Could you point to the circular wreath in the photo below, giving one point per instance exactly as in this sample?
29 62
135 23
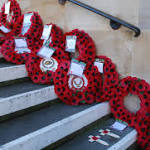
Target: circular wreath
35 30
42 70
110 80
75 90
140 119
11 54
15 12
135 86
84 44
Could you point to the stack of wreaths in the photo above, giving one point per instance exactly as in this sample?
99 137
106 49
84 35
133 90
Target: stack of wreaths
47 62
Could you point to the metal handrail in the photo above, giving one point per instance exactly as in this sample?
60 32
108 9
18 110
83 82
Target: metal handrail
115 22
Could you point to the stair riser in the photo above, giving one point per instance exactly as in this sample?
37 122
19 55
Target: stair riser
12 73
26 100
50 134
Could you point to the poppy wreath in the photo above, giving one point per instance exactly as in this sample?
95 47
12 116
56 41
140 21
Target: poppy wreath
109 77
15 12
11 54
140 119
134 86
35 30
84 44
42 70
75 90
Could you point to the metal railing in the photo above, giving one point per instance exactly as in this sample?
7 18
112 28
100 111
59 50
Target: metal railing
115 22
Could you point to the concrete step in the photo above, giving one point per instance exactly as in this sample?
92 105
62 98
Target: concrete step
41 128
81 141
22 95
9 71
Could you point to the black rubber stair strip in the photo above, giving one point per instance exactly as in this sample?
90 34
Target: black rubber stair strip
21 126
19 88
80 141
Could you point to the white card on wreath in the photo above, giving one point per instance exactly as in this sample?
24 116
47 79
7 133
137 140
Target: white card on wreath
100 66
119 126
46 52
77 68
27 18
46 32
21 43
7 7
71 43
4 29
25 29
21 50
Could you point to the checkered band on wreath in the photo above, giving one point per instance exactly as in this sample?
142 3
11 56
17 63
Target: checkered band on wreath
84 44
13 54
41 70
75 90
29 25
8 20
110 79
139 120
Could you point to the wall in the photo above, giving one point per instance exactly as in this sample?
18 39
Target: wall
130 54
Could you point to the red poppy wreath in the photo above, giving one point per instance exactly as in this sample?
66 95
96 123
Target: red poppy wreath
28 25
41 69
140 119
75 90
15 54
10 12
135 86
106 71
84 44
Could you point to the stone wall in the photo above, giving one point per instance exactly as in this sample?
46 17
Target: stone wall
131 55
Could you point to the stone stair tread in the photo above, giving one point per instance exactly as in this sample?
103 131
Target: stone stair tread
80 141
20 126
10 71
19 88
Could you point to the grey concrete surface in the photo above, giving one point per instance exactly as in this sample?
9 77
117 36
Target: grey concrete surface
19 88
80 142
18 127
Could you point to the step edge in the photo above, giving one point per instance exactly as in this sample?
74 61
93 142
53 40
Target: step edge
125 142
52 131
20 72
12 101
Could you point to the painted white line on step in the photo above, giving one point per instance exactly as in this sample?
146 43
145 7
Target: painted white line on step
22 101
56 131
12 73
125 142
